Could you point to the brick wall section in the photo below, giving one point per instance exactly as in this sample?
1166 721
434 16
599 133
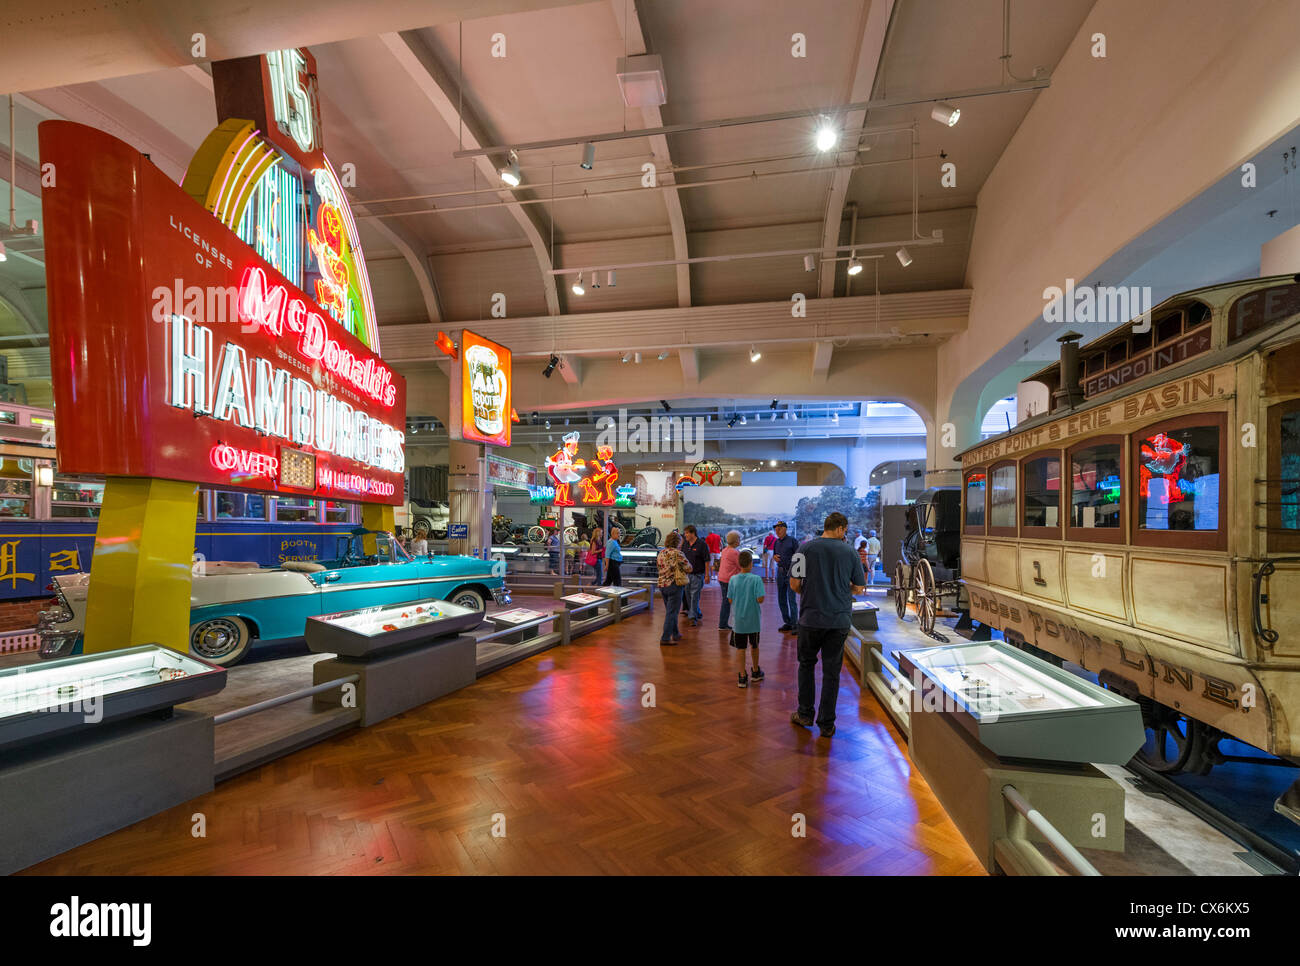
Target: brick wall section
20 615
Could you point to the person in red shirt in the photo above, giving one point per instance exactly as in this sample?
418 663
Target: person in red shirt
715 547
769 543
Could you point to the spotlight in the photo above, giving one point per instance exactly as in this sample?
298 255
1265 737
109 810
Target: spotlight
809 263
663 355
566 420
794 416
534 417
771 462
827 137
577 285
904 258
627 357
855 266
664 403
731 472
732 421
588 156
789 432
548 424
636 357
835 418
754 354
611 278
550 366
510 173
595 282
743 420
945 113
773 404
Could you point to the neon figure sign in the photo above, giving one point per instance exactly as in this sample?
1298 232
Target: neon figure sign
565 468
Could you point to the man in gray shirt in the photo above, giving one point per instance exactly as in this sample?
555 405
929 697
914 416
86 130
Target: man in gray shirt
827 572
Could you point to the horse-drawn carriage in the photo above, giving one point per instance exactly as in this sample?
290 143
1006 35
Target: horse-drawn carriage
929 567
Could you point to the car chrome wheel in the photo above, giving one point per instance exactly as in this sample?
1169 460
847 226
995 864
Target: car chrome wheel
222 640
469 598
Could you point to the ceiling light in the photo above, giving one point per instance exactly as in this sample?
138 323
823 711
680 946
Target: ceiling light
809 263
827 136
550 366
510 173
611 278
773 404
627 357
636 357
548 424
664 403
855 266
904 258
588 156
663 355
789 432
732 421
566 420
743 420
771 462
577 285
835 418
731 472
794 415
754 354
534 417
945 113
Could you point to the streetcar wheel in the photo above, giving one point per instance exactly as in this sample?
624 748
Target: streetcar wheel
900 590
927 595
1175 743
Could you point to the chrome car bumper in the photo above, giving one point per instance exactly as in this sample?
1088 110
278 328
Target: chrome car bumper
57 639
500 595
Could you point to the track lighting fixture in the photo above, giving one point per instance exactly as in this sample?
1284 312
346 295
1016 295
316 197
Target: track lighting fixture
611 278
794 415
732 421
588 156
577 285
550 366
754 354
835 418
809 263
548 424
855 266
664 403
827 136
945 114
663 355
510 174
773 404
627 357
743 420
904 258
636 357
534 417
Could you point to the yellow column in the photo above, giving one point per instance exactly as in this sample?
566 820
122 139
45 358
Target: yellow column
140 572
376 516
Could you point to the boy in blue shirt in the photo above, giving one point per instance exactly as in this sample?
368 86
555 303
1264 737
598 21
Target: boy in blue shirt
745 591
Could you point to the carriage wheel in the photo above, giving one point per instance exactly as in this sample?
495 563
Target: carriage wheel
926 595
900 590
1175 743
536 535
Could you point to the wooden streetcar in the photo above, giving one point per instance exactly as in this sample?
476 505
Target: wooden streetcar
1147 528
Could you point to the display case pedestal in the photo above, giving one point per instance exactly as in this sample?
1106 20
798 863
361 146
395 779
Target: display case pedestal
64 792
864 616
1079 800
397 682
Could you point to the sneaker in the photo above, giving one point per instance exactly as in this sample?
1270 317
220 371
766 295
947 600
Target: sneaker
757 674
827 730
743 679
803 721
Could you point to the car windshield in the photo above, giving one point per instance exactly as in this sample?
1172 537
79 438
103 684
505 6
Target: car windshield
386 549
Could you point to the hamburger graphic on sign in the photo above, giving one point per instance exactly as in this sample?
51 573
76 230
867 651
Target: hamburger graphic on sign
484 404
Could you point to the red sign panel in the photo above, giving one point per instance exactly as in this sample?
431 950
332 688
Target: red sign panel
178 353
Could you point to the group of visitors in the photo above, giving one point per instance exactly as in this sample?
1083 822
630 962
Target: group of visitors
416 543
815 582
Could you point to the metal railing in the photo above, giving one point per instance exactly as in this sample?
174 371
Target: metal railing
1027 816
275 702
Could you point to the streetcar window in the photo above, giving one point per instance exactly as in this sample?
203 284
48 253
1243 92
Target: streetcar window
1116 354
1141 341
1287 514
975 501
1170 327
1178 479
1002 496
1042 486
1095 490
1198 313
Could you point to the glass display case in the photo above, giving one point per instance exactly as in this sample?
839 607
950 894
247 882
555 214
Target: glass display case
1018 706
55 697
369 630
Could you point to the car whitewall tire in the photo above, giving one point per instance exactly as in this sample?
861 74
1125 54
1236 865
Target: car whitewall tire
468 597
221 640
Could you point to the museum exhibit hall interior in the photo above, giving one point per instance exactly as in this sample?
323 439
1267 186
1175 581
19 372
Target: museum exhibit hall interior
621 438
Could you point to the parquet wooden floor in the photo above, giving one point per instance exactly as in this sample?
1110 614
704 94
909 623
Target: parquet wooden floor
560 749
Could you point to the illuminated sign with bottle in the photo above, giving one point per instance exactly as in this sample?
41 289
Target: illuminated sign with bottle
480 392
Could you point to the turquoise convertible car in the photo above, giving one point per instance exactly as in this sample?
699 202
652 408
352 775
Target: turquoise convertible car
235 607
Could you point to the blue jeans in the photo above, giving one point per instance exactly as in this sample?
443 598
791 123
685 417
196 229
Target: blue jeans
787 599
672 604
724 615
828 643
693 590
599 569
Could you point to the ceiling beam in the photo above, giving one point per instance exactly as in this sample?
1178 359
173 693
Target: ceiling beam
870 49
571 369
690 359
419 62
411 249
629 24
821 360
